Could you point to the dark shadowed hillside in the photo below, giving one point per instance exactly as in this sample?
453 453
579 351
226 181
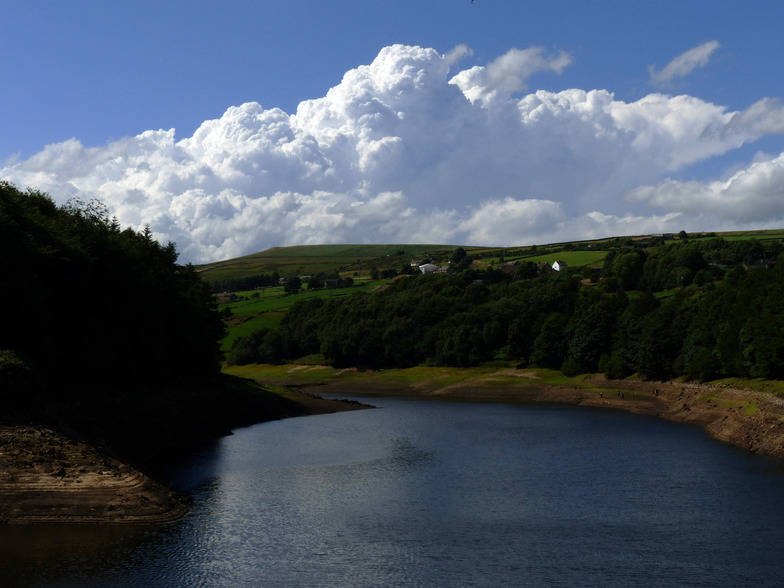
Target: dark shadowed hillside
85 301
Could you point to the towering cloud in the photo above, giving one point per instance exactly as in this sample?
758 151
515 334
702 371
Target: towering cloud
407 149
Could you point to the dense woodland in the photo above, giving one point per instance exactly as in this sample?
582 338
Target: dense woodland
85 302
703 309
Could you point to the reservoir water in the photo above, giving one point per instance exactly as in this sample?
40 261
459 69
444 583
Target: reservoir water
428 493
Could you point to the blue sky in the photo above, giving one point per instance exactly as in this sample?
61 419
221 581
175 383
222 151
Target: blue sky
551 121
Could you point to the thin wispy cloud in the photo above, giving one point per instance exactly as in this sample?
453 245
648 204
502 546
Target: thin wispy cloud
684 64
410 149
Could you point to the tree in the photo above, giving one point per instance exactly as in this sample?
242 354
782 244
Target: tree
628 268
91 301
16 376
458 255
526 270
293 285
659 344
549 347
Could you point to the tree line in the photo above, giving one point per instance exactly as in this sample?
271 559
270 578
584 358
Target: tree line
85 302
245 283
702 309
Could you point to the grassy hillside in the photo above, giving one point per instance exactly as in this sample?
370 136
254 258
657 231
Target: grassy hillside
348 259
359 260
265 307
313 259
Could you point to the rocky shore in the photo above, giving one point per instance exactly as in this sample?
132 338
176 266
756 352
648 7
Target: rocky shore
748 419
46 477
83 460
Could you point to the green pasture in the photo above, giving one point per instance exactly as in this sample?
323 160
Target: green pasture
267 307
270 299
572 258
270 320
759 235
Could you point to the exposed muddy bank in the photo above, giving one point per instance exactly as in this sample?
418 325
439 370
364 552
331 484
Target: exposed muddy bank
86 457
746 418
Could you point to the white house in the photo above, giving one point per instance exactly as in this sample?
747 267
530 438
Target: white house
559 265
428 268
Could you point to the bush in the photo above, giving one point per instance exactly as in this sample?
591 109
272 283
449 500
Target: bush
16 375
615 366
571 367
703 365
262 346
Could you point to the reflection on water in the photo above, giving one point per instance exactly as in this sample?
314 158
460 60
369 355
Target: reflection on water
431 493
34 553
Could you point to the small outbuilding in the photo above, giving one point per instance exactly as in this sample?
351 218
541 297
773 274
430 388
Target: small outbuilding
428 268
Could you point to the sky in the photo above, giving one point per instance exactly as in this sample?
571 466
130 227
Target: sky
232 127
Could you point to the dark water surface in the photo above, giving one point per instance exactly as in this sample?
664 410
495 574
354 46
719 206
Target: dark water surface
423 493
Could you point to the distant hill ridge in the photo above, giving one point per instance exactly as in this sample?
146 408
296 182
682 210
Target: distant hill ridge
312 259
348 257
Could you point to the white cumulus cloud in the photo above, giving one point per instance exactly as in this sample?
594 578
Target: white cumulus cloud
753 195
508 74
405 150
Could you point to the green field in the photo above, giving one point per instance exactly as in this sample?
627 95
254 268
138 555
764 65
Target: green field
759 235
572 258
266 307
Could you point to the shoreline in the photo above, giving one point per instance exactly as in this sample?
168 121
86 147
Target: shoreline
70 465
48 476
749 419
